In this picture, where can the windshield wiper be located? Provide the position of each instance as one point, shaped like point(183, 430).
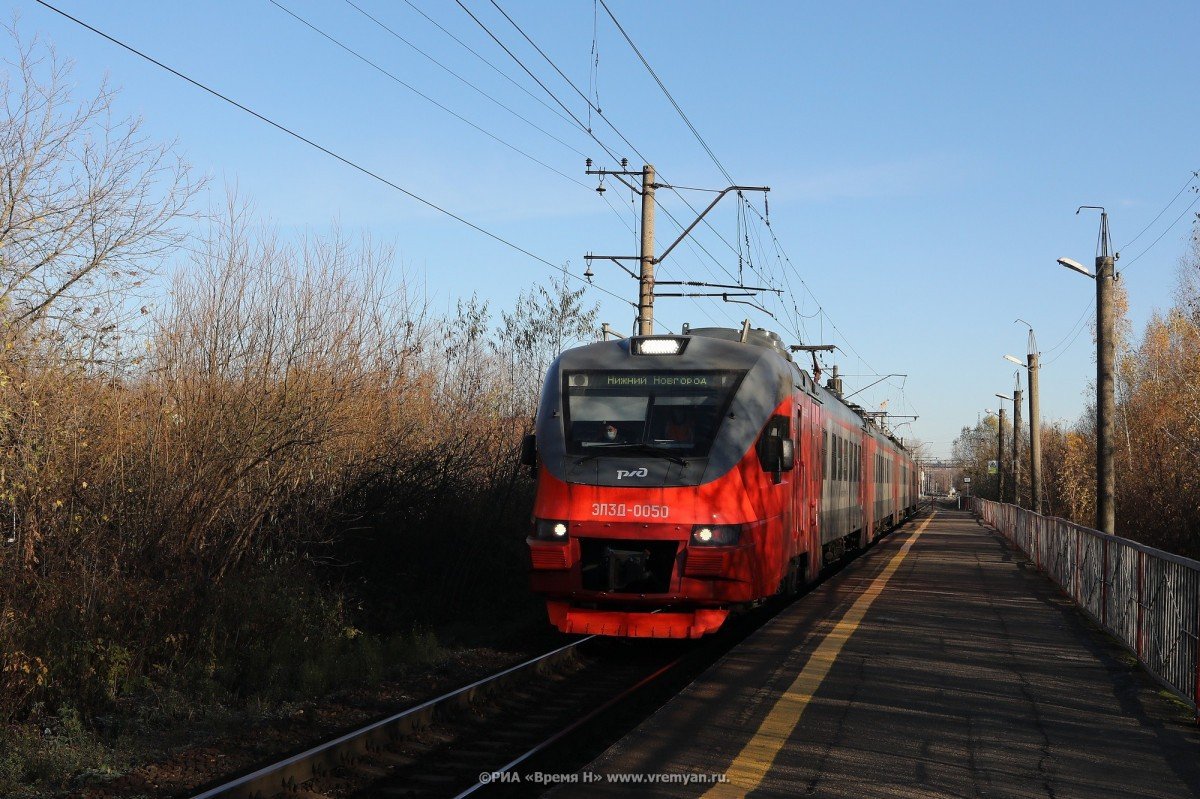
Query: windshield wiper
point(648, 449)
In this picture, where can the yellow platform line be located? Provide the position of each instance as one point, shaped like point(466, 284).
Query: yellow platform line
point(754, 761)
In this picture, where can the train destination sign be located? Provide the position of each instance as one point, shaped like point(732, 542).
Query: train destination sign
point(650, 380)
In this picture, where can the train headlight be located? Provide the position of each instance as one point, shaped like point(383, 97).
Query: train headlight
point(550, 530)
point(658, 346)
point(716, 535)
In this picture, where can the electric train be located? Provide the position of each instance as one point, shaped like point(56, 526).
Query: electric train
point(684, 477)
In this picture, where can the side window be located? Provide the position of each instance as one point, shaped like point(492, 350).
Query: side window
point(825, 453)
point(770, 443)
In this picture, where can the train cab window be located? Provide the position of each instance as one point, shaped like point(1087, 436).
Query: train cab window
point(770, 450)
point(668, 410)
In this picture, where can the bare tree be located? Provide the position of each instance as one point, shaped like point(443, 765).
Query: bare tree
point(87, 204)
point(546, 320)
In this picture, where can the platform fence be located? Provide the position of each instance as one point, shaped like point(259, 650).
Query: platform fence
point(1147, 598)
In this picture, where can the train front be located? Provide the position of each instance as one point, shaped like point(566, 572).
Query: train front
point(659, 505)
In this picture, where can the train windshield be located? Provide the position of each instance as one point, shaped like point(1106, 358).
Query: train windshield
point(678, 413)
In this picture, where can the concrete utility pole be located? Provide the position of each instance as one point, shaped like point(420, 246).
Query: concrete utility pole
point(1106, 480)
point(1105, 277)
point(1016, 456)
point(643, 183)
point(1000, 453)
point(646, 274)
point(1035, 431)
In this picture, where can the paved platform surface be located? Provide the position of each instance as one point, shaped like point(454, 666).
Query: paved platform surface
point(939, 664)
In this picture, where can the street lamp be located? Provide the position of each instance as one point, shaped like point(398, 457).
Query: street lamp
point(1105, 397)
point(1078, 267)
point(1035, 420)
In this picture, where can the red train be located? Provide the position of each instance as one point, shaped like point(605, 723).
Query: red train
point(683, 477)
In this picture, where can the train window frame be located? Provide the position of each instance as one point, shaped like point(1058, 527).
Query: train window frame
point(825, 455)
point(770, 444)
point(701, 446)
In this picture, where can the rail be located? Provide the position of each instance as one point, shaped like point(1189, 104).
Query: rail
point(292, 772)
point(1148, 599)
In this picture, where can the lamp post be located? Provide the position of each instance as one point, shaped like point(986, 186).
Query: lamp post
point(1000, 454)
point(1001, 443)
point(1105, 395)
point(1000, 448)
point(1035, 421)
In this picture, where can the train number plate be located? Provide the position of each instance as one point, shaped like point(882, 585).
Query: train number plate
point(627, 510)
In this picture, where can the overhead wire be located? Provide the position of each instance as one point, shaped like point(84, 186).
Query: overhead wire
point(313, 144)
point(486, 95)
point(494, 68)
point(389, 30)
point(1166, 230)
point(572, 118)
point(587, 128)
point(1191, 179)
point(1074, 333)
point(704, 144)
point(422, 94)
point(667, 92)
point(586, 99)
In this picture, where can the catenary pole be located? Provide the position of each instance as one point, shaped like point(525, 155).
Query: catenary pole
point(646, 274)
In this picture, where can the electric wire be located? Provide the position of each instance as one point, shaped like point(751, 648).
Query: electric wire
point(1166, 230)
point(587, 100)
point(494, 68)
point(461, 79)
point(542, 53)
point(311, 143)
point(422, 95)
point(1081, 327)
point(389, 30)
point(713, 156)
point(667, 92)
point(585, 128)
point(1190, 181)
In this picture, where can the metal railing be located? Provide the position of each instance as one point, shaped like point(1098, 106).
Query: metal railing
point(1147, 598)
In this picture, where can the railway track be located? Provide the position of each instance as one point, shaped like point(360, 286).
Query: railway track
point(552, 713)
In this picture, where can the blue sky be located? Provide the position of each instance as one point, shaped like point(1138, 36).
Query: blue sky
point(925, 159)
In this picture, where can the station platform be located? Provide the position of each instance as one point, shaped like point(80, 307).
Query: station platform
point(938, 664)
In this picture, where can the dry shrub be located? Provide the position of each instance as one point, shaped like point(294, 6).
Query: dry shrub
point(272, 485)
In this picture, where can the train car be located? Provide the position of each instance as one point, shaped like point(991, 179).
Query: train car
point(681, 478)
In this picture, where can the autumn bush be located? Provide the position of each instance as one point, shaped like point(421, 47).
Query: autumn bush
point(303, 465)
point(279, 475)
